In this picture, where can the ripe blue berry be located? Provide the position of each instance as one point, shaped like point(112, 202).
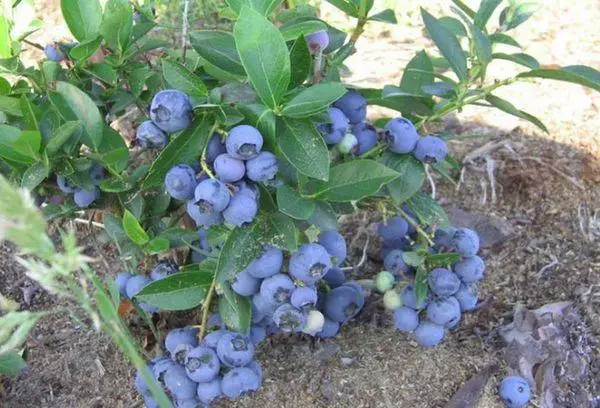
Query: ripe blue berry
point(443, 282)
point(203, 219)
point(409, 298)
point(406, 319)
point(244, 142)
point(263, 306)
point(121, 282)
point(202, 364)
point(428, 334)
point(235, 349)
point(393, 228)
point(229, 169)
point(257, 334)
point(65, 185)
point(443, 239)
point(317, 41)
point(353, 105)
point(310, 263)
point(241, 210)
point(515, 392)
point(212, 195)
point(366, 136)
point(209, 391)
point(431, 150)
point(149, 136)
point(164, 268)
point(466, 242)
point(245, 284)
point(254, 366)
point(343, 303)
point(214, 148)
point(444, 311)
point(239, 381)
point(277, 289)
point(401, 135)
point(262, 168)
point(250, 189)
point(84, 198)
point(97, 173)
point(171, 110)
point(330, 329)
point(394, 262)
point(304, 297)
point(212, 339)
point(135, 284)
point(334, 131)
point(178, 384)
point(467, 296)
point(289, 319)
point(335, 244)
point(335, 277)
point(470, 269)
point(267, 264)
point(176, 338)
point(53, 53)
point(180, 182)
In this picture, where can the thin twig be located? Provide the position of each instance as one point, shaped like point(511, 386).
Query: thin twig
point(184, 31)
point(431, 181)
point(86, 222)
point(554, 262)
point(412, 222)
point(206, 309)
point(36, 45)
point(318, 66)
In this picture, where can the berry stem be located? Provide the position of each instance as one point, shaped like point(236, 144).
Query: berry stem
point(184, 31)
point(36, 45)
point(412, 222)
point(206, 309)
point(203, 162)
point(360, 28)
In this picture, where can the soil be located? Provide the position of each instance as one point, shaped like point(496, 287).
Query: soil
point(542, 228)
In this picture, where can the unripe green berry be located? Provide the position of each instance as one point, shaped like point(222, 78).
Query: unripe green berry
point(384, 281)
point(348, 143)
point(314, 322)
point(392, 300)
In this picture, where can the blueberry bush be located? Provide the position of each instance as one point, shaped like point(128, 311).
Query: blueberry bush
point(248, 148)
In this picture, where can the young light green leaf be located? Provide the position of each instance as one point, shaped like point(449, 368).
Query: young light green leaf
point(133, 229)
point(428, 211)
point(157, 245)
point(117, 25)
point(314, 99)
point(303, 147)
point(412, 258)
point(509, 108)
point(576, 74)
point(179, 291)
point(447, 44)
point(385, 16)
point(5, 41)
point(264, 55)
point(295, 28)
point(179, 77)
point(83, 17)
point(485, 11)
point(518, 58)
point(412, 175)
point(11, 363)
point(291, 203)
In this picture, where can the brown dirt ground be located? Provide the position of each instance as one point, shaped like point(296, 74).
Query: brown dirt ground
point(541, 182)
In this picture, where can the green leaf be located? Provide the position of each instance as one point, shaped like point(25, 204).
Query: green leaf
point(61, 135)
point(447, 44)
point(354, 180)
point(31, 114)
point(453, 25)
point(518, 58)
point(11, 363)
point(185, 148)
point(278, 230)
point(117, 25)
point(104, 72)
point(412, 258)
point(300, 60)
point(500, 38)
point(482, 46)
point(235, 310)
point(264, 56)
point(19, 147)
point(291, 203)
point(115, 185)
point(428, 211)
point(515, 15)
point(465, 9)
point(5, 41)
point(421, 285)
point(10, 105)
point(218, 48)
point(179, 291)
point(442, 260)
point(179, 77)
point(133, 229)
point(264, 7)
point(509, 108)
point(314, 99)
point(412, 175)
point(485, 11)
point(347, 7)
point(385, 16)
point(83, 17)
point(34, 175)
point(418, 72)
point(241, 248)
point(324, 217)
point(113, 226)
point(576, 74)
point(85, 49)
point(296, 28)
point(158, 245)
point(303, 147)
point(74, 104)
point(113, 153)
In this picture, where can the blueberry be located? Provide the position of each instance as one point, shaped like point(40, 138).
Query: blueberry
point(310, 263)
point(214, 148)
point(392, 300)
point(277, 289)
point(244, 142)
point(209, 391)
point(384, 281)
point(203, 244)
point(235, 349)
point(353, 105)
point(180, 182)
point(141, 385)
point(176, 339)
point(428, 334)
point(247, 188)
point(289, 319)
point(335, 277)
point(254, 366)
point(171, 110)
point(388, 245)
point(401, 135)
point(160, 367)
point(431, 150)
point(150, 402)
point(65, 185)
point(121, 282)
point(188, 403)
point(202, 364)
point(241, 210)
point(393, 228)
point(149, 136)
point(257, 334)
point(97, 174)
point(406, 319)
point(443, 239)
point(164, 268)
point(203, 219)
point(394, 262)
point(245, 284)
point(229, 169)
point(334, 131)
point(335, 244)
point(515, 392)
point(444, 311)
point(267, 264)
point(409, 298)
point(343, 303)
point(304, 297)
point(348, 143)
point(443, 282)
point(366, 136)
point(212, 339)
point(262, 168)
point(135, 284)
point(466, 242)
point(212, 196)
point(262, 306)
point(239, 381)
point(53, 53)
point(178, 384)
point(467, 296)
point(84, 198)
point(330, 329)
point(317, 41)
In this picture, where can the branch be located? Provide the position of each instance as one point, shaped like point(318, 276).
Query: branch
point(184, 31)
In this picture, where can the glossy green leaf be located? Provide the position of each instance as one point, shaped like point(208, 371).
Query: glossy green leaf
point(421, 285)
point(294, 29)
point(482, 46)
point(181, 78)
point(218, 48)
point(240, 249)
point(83, 17)
point(385, 16)
point(300, 60)
point(576, 74)
point(278, 230)
point(509, 108)
point(518, 58)
point(31, 114)
point(412, 175)
point(133, 229)
point(291, 203)
point(179, 291)
point(428, 211)
point(157, 245)
point(117, 25)
point(314, 99)
point(264, 55)
point(235, 310)
point(412, 258)
point(324, 217)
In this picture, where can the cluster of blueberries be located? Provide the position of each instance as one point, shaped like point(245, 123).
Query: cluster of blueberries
point(83, 197)
point(450, 292)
